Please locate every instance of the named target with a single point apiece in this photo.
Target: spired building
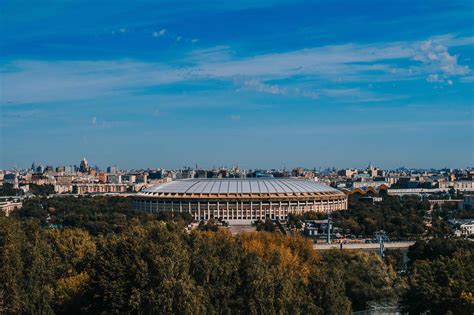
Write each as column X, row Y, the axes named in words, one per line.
column 241, row 201
column 84, row 166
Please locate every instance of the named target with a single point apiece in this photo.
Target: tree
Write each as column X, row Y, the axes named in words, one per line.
column 400, row 217
column 433, row 249
column 73, row 249
column 11, row 266
column 443, row 285
column 216, row 267
column 327, row 289
column 26, row 268
column 366, row 277
column 266, row 226
column 275, row 274
column 42, row 190
column 8, row 190
column 144, row 270
column 440, row 277
column 295, row 221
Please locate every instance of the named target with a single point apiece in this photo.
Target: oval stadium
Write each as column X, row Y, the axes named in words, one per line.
column 241, row 200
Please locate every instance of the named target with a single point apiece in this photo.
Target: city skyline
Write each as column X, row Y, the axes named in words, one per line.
column 260, row 84
column 196, row 166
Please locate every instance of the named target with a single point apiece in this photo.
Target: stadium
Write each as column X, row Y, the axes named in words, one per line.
column 241, row 201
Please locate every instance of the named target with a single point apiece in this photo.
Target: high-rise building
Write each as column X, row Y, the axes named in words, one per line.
column 114, row 179
column 12, row 179
column 201, row 174
column 112, row 169
column 60, row 169
column 84, row 166
column 142, row 178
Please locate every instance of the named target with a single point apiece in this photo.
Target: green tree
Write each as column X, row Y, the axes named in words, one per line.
column 327, row 289
column 440, row 277
column 73, row 249
column 442, row 286
column 144, row 270
column 216, row 266
column 366, row 277
column 432, row 249
column 11, row 266
column 26, row 268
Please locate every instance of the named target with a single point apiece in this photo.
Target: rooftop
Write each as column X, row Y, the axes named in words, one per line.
column 241, row 186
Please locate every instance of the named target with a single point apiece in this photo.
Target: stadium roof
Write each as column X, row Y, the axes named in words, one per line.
column 241, row 186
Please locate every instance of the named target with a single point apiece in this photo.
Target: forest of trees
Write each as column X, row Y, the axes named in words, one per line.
column 96, row 255
column 401, row 217
column 8, row 190
column 39, row 190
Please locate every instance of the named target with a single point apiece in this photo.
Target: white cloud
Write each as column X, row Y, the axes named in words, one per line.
column 211, row 55
column 358, row 95
column 178, row 38
column 259, row 86
column 436, row 56
column 48, row 81
column 160, row 33
column 194, row 40
column 94, row 120
column 349, row 62
column 27, row 81
column 265, row 88
column 434, row 78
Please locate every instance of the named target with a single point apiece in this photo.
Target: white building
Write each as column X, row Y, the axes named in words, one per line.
column 463, row 227
column 8, row 206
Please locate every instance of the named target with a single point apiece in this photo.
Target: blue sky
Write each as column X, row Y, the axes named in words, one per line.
column 254, row 83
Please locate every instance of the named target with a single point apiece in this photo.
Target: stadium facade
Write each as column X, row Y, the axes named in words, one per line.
column 241, row 201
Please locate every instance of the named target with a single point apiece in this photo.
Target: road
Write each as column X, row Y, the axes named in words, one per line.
column 388, row 245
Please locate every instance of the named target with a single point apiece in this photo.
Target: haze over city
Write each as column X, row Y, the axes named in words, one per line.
column 260, row 84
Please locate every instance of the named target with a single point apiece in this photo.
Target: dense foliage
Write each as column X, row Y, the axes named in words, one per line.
column 157, row 267
column 440, row 279
column 97, row 255
column 8, row 190
column 41, row 190
column 97, row 215
column 401, row 217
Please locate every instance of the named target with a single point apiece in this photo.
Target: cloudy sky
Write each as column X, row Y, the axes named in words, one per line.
column 256, row 83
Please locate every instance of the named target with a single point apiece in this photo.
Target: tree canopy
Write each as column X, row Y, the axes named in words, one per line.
column 97, row 255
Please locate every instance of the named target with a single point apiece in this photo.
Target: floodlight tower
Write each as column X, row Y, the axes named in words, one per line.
column 381, row 237
column 329, row 226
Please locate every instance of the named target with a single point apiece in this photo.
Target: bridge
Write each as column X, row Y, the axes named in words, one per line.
column 365, row 246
